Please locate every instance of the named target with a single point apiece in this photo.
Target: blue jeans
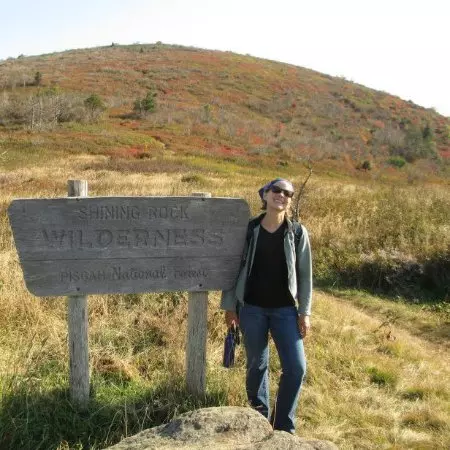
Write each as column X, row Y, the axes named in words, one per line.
column 255, row 323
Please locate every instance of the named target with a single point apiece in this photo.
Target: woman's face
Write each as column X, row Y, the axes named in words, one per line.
column 277, row 197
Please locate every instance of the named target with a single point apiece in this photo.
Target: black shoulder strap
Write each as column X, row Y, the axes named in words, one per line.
column 253, row 223
column 298, row 233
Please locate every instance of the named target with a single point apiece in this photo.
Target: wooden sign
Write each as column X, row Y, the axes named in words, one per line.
column 78, row 246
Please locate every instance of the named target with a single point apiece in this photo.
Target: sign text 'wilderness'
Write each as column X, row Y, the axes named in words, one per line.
column 87, row 245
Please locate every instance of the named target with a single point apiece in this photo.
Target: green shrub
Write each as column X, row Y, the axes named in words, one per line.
column 414, row 393
column 382, row 377
column 427, row 133
column 146, row 105
column 94, row 101
column 418, row 144
column 206, row 113
column 37, row 78
column 365, row 165
column 397, row 161
column 95, row 106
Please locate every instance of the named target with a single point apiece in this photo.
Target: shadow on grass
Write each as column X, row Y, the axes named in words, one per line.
column 426, row 282
column 124, row 116
column 31, row 419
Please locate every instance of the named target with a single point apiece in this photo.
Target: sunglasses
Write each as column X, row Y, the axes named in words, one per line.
column 278, row 190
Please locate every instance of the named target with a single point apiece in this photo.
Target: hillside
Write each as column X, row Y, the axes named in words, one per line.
column 254, row 111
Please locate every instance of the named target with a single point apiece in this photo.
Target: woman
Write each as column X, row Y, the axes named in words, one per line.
column 273, row 293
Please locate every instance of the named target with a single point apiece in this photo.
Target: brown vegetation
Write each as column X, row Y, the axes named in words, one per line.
column 252, row 105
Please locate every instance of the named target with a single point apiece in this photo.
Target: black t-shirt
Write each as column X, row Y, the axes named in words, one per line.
column 268, row 283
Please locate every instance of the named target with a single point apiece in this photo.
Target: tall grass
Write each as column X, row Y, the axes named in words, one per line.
column 370, row 384
column 392, row 239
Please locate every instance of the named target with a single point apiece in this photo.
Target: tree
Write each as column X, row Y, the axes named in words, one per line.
column 145, row 105
column 95, row 106
column 427, row 133
column 37, row 78
column 417, row 144
column 366, row 165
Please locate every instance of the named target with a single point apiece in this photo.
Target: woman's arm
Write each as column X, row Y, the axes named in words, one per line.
column 304, row 271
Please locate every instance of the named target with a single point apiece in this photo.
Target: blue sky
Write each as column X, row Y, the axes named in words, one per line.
column 397, row 46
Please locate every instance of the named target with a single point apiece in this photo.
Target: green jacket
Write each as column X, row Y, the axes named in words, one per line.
column 301, row 288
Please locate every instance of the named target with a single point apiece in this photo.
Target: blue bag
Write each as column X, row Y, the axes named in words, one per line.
column 232, row 339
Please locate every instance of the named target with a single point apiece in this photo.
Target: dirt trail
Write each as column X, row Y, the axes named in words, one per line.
column 431, row 335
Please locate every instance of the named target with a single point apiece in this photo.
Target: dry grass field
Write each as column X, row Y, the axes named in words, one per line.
column 378, row 368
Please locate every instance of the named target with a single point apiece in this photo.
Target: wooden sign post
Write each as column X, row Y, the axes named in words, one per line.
column 82, row 245
column 196, row 339
column 77, row 321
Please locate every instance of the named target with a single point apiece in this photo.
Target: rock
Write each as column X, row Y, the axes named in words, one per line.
column 222, row 428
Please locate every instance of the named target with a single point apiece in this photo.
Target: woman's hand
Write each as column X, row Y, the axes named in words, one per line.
column 304, row 324
column 231, row 318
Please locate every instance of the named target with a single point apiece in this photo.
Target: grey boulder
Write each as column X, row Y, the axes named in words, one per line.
column 222, row 428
